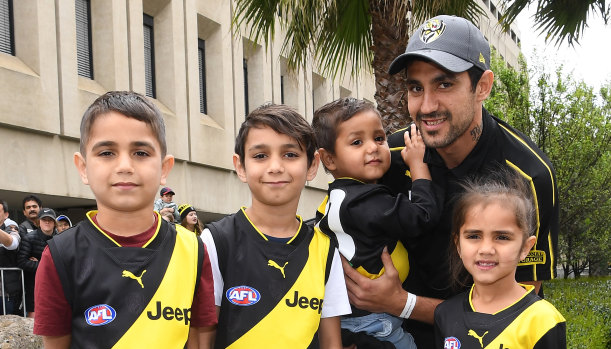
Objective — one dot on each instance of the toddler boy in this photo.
(365, 217)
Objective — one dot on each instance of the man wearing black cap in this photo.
(447, 65)
(165, 204)
(31, 249)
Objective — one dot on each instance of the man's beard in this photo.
(453, 133)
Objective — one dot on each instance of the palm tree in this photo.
(371, 33)
(367, 33)
(559, 19)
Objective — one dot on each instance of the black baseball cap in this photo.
(452, 42)
(166, 190)
(47, 212)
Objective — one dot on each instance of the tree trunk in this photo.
(565, 270)
(389, 41)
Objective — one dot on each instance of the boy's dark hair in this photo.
(328, 118)
(132, 105)
(503, 186)
(282, 119)
(4, 205)
(31, 197)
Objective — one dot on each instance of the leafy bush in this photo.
(586, 305)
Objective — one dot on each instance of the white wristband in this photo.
(409, 306)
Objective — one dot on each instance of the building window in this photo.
(245, 61)
(201, 52)
(83, 38)
(149, 56)
(7, 34)
(282, 89)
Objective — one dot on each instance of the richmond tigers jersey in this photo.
(530, 322)
(272, 294)
(122, 296)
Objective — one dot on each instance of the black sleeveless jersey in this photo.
(273, 292)
(128, 297)
(530, 322)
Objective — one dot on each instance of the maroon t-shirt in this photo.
(54, 315)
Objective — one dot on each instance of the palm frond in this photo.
(559, 20)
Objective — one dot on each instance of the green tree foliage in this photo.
(571, 123)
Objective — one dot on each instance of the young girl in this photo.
(492, 230)
(188, 218)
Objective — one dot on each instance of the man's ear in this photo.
(484, 86)
(313, 170)
(81, 166)
(528, 245)
(327, 159)
(166, 165)
(239, 168)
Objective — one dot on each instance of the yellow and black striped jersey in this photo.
(128, 297)
(272, 294)
(529, 323)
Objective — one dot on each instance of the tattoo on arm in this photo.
(476, 132)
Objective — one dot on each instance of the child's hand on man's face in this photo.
(413, 153)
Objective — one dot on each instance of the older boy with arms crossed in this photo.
(276, 280)
(124, 278)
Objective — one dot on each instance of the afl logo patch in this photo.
(243, 295)
(451, 343)
(100, 315)
(432, 30)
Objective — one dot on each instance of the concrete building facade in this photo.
(62, 54)
(507, 44)
(56, 57)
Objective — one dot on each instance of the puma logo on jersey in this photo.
(304, 302)
(275, 265)
(129, 274)
(479, 338)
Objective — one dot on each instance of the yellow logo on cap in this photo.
(432, 30)
(481, 58)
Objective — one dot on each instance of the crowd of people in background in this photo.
(21, 245)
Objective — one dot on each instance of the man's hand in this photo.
(384, 294)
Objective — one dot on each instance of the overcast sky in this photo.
(590, 60)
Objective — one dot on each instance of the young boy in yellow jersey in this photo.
(124, 277)
(277, 281)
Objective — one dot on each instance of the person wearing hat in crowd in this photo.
(165, 205)
(31, 249)
(448, 77)
(188, 218)
(63, 223)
